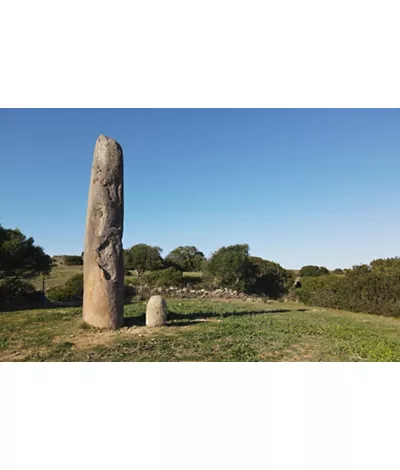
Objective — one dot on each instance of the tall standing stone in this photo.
(103, 269)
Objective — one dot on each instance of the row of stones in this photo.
(200, 293)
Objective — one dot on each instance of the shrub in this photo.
(72, 290)
(169, 277)
(269, 278)
(338, 271)
(313, 271)
(387, 265)
(321, 291)
(11, 291)
(361, 290)
(129, 293)
(72, 260)
(193, 281)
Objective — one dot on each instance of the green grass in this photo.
(59, 275)
(203, 330)
(194, 274)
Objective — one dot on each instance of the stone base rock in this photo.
(156, 311)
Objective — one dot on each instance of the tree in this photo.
(230, 267)
(313, 271)
(143, 257)
(20, 258)
(128, 262)
(269, 278)
(185, 258)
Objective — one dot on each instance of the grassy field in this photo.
(59, 274)
(203, 330)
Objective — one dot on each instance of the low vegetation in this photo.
(71, 291)
(370, 288)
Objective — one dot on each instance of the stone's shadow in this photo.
(201, 317)
(184, 323)
(134, 321)
(195, 318)
(204, 315)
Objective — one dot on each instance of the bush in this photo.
(313, 271)
(169, 277)
(134, 281)
(387, 265)
(17, 290)
(269, 278)
(193, 281)
(338, 271)
(72, 260)
(360, 290)
(322, 291)
(72, 290)
(129, 293)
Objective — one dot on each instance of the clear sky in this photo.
(300, 186)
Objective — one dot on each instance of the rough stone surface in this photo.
(103, 268)
(144, 292)
(156, 311)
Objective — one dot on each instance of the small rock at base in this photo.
(156, 311)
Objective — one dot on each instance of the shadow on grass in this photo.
(180, 319)
(134, 321)
(205, 315)
(176, 322)
(46, 305)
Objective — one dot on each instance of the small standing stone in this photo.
(156, 311)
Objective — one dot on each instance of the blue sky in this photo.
(300, 186)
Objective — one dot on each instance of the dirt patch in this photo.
(10, 355)
(92, 339)
(305, 351)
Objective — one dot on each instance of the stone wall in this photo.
(146, 291)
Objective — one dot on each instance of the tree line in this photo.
(229, 266)
(370, 288)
